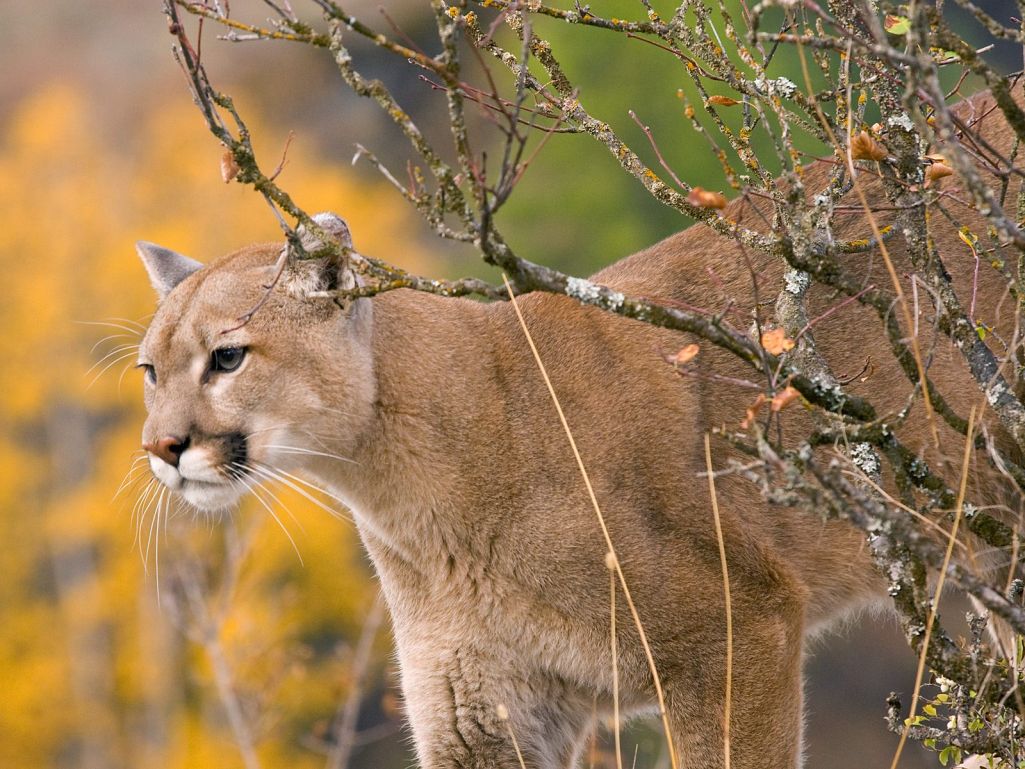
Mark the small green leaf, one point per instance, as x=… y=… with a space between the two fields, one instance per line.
x=943 y=56
x=945 y=754
x=942 y=697
x=930 y=743
x=929 y=710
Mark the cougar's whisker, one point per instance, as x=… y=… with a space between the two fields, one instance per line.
x=137 y=324
x=276 y=475
x=138 y=492
x=133 y=486
x=320 y=439
x=130 y=481
x=123 y=356
x=255 y=488
x=284 y=474
x=134 y=331
x=299 y=450
x=163 y=504
x=132 y=469
x=117 y=349
x=128 y=367
x=334 y=411
x=152 y=526
x=111 y=336
x=245 y=474
x=251 y=433
x=136 y=521
x=141 y=508
x=279 y=503
x=317 y=488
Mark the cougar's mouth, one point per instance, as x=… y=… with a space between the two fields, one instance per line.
x=203 y=494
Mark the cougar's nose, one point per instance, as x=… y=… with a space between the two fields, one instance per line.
x=169 y=448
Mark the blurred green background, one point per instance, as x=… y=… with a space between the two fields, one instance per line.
x=100 y=146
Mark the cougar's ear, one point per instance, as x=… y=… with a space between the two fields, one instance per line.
x=326 y=273
x=166 y=268
x=333 y=225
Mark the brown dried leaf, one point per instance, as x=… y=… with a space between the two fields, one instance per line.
x=752 y=411
x=686 y=354
x=723 y=101
x=864 y=147
x=936 y=171
x=229 y=168
x=703 y=198
x=784 y=398
x=776 y=341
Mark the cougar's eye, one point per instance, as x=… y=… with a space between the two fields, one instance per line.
x=227 y=358
x=151 y=373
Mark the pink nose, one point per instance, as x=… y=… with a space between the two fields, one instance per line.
x=169 y=448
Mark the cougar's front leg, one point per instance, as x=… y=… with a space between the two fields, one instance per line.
x=766 y=701
x=462 y=706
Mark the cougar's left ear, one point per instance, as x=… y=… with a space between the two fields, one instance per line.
x=325 y=273
x=166 y=268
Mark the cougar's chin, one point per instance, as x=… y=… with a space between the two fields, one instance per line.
x=210 y=497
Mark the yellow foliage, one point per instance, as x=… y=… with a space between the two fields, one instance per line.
x=89 y=660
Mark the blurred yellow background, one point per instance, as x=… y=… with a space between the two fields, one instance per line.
x=95 y=671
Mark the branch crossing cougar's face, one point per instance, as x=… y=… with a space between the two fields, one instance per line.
x=230 y=392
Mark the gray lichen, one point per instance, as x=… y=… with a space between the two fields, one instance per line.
x=796 y=281
x=865 y=457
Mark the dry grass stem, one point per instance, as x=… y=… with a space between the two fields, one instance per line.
x=611 y=563
x=729 y=609
x=951 y=539
x=604 y=529
x=503 y=715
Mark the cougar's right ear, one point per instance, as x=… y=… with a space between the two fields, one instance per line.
x=325 y=273
x=166 y=268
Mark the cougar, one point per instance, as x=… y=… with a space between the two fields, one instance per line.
x=430 y=418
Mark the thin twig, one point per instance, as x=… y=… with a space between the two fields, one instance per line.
x=343 y=735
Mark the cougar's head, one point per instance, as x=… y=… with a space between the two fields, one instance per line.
x=248 y=377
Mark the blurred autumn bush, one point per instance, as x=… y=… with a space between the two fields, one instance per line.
x=94 y=672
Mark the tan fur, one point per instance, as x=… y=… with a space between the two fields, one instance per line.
x=468 y=499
